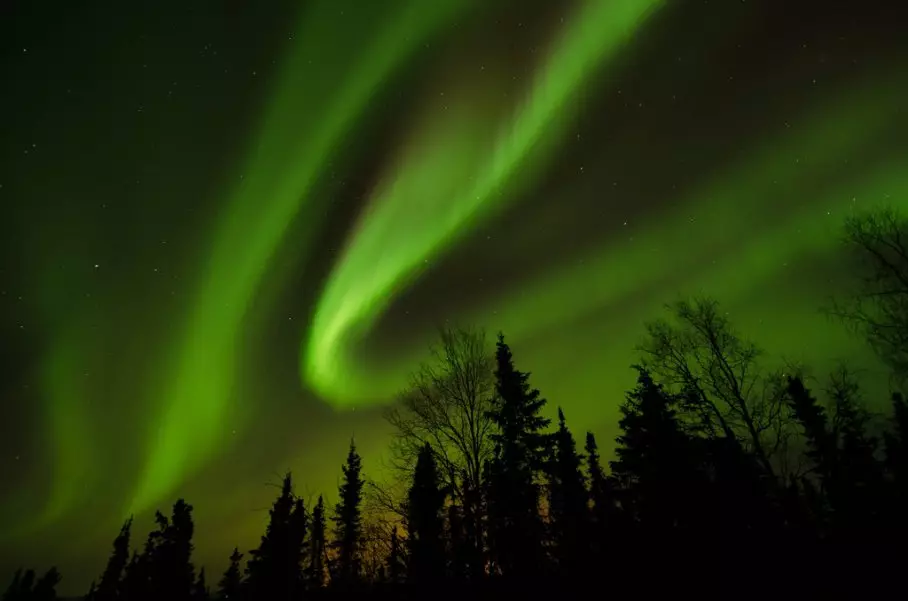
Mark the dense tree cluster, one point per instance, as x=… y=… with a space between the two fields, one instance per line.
x=723 y=471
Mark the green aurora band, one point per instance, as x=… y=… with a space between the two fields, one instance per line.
x=311 y=112
x=735 y=233
x=423 y=206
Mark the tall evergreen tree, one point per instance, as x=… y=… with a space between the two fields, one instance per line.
x=601 y=496
x=137 y=579
x=315 y=575
x=230 y=586
x=46 y=586
x=656 y=462
x=348 y=529
x=395 y=563
x=811 y=416
x=173 y=573
x=424 y=521
x=515 y=533
x=200 y=588
x=274 y=570
x=109 y=586
x=20 y=589
x=896 y=440
x=855 y=497
x=568 y=506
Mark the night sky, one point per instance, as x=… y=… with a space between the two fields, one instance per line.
x=230 y=229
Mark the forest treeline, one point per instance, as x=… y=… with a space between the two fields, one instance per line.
x=727 y=474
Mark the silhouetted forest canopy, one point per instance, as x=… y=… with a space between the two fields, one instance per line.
x=726 y=475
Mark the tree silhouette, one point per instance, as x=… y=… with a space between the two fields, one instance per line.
x=230 y=585
x=46 y=586
x=274 y=570
x=110 y=584
x=447 y=406
x=656 y=463
x=896 y=460
x=424 y=521
x=347 y=569
x=700 y=357
x=394 y=567
x=137 y=580
x=200 y=588
x=521 y=448
x=876 y=306
x=857 y=483
x=568 y=501
x=173 y=574
x=21 y=588
x=604 y=511
x=315 y=575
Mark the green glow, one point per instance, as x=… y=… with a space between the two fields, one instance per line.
x=312 y=109
x=424 y=207
x=175 y=371
x=714 y=223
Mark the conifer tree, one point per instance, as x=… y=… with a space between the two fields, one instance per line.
x=46 y=586
x=568 y=505
x=859 y=478
x=347 y=519
x=137 y=576
x=896 y=440
x=109 y=586
x=20 y=589
x=231 y=582
x=200 y=588
x=812 y=418
x=656 y=464
x=521 y=447
x=456 y=543
x=317 y=549
x=601 y=496
x=394 y=567
x=172 y=570
x=424 y=521
x=274 y=570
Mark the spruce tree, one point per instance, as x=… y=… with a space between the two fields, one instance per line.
x=109 y=586
x=520 y=450
x=860 y=476
x=347 y=519
x=656 y=463
x=46 y=586
x=896 y=440
x=811 y=416
x=315 y=575
x=12 y=591
x=200 y=588
x=231 y=582
x=425 y=525
x=274 y=570
x=173 y=572
x=568 y=506
x=395 y=563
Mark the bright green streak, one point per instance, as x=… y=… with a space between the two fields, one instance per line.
x=755 y=196
x=425 y=205
x=311 y=112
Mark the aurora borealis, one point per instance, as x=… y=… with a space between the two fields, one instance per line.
x=227 y=227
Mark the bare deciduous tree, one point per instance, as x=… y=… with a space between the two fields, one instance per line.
x=877 y=306
x=446 y=406
x=700 y=355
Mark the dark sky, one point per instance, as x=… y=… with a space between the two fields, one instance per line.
x=230 y=229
